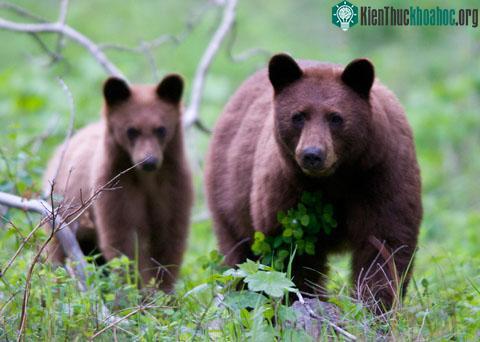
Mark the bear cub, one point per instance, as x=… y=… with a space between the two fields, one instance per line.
x=145 y=211
x=311 y=126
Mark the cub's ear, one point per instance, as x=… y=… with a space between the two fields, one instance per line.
x=115 y=91
x=359 y=75
x=170 y=88
x=283 y=71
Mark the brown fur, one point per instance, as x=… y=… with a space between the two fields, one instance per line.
x=369 y=170
x=147 y=211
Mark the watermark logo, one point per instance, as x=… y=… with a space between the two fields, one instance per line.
x=344 y=15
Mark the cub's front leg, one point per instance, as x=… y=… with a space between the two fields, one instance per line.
x=123 y=229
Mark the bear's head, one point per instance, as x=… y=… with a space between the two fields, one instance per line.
x=322 y=112
x=143 y=119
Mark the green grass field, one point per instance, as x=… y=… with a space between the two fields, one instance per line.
x=435 y=72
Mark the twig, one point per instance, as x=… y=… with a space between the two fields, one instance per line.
x=70 y=125
x=333 y=325
x=140 y=308
x=26 y=293
x=65 y=235
x=247 y=54
x=191 y=116
x=52 y=54
x=22 y=12
x=68 y=32
x=62 y=17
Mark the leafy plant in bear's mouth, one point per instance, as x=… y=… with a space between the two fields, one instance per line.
x=299 y=228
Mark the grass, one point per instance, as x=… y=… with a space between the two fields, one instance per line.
x=434 y=72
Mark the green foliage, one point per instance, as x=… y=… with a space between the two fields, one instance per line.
x=435 y=73
x=299 y=230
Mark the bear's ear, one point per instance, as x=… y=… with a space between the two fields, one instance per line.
x=115 y=91
x=359 y=75
x=283 y=71
x=170 y=88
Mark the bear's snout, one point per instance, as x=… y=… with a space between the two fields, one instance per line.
x=150 y=164
x=313 y=158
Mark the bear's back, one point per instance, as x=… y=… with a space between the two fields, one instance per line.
x=72 y=178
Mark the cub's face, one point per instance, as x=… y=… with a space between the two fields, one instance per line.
x=321 y=115
x=143 y=119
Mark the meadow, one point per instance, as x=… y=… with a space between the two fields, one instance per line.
x=434 y=71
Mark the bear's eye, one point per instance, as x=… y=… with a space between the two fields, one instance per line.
x=132 y=133
x=160 y=132
x=298 y=119
x=335 y=120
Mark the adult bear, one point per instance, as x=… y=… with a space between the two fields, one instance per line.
x=312 y=126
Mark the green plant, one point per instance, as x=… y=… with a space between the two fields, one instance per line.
x=299 y=231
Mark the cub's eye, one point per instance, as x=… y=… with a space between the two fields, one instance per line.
x=160 y=132
x=298 y=119
x=132 y=133
x=335 y=120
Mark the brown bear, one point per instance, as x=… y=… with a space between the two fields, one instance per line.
x=145 y=212
x=312 y=126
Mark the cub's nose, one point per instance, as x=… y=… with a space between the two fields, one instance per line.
x=313 y=158
x=150 y=164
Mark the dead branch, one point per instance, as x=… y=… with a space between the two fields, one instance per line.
x=191 y=117
x=62 y=17
x=62 y=29
x=70 y=126
x=22 y=12
x=314 y=315
x=65 y=235
x=244 y=55
x=146 y=47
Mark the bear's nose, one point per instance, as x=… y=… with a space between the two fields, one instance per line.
x=313 y=158
x=150 y=164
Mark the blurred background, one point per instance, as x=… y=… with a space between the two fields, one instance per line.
x=434 y=71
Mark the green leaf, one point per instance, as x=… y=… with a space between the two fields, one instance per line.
x=244 y=299
x=273 y=283
x=310 y=248
x=259 y=236
x=278 y=264
x=277 y=242
x=298 y=233
x=266 y=248
x=305 y=220
x=283 y=253
x=287 y=232
x=249 y=267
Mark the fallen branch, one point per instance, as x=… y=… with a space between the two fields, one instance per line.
x=314 y=315
x=64 y=235
x=191 y=117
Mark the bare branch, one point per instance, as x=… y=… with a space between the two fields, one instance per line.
x=70 y=126
x=65 y=235
x=247 y=54
x=52 y=54
x=62 y=17
x=191 y=116
x=68 y=32
x=22 y=12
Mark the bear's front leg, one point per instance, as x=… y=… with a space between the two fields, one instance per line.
x=123 y=230
x=384 y=244
x=168 y=244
